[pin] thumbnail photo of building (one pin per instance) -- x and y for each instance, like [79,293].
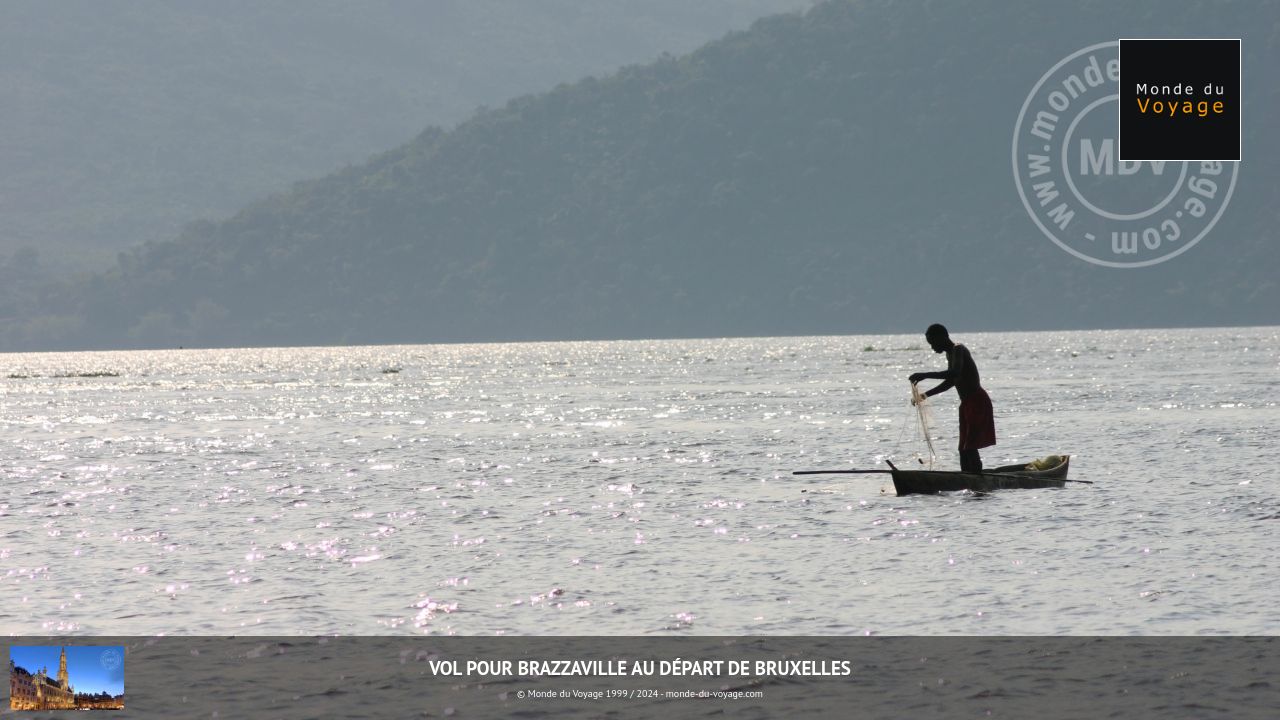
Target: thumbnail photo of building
[101,667]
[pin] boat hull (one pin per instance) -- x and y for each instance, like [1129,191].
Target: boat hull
[1009,477]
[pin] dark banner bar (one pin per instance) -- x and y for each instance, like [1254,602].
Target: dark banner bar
[635,677]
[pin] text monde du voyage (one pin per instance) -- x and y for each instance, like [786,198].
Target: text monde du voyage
[618,667]
[1179,99]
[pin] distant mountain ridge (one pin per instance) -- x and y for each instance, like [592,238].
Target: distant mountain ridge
[845,170]
[123,121]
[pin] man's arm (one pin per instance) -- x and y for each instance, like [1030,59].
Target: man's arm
[941,388]
[917,377]
[955,362]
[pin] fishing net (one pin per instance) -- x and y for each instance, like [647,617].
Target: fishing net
[924,424]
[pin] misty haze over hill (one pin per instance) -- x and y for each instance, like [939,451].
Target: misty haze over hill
[842,171]
[124,121]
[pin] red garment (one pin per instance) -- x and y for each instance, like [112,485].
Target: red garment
[977,421]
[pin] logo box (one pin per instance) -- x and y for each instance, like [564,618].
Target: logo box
[1180,99]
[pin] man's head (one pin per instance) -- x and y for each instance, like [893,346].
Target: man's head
[938,338]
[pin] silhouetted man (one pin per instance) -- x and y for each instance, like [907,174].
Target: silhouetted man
[977,421]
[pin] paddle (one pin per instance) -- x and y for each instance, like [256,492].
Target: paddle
[840,472]
[847,472]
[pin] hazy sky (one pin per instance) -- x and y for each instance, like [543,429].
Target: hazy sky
[85,666]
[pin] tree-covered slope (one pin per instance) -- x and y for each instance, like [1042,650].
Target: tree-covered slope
[842,171]
[123,121]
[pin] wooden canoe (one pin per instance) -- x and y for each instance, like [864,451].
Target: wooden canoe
[1008,477]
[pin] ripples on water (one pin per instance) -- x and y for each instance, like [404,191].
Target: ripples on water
[636,487]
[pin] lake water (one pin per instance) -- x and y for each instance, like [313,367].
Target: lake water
[637,488]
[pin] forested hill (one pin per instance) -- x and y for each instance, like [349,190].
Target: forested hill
[846,170]
[123,121]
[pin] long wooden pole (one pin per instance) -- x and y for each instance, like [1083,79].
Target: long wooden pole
[840,472]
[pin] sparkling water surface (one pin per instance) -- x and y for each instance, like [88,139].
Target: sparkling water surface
[639,487]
